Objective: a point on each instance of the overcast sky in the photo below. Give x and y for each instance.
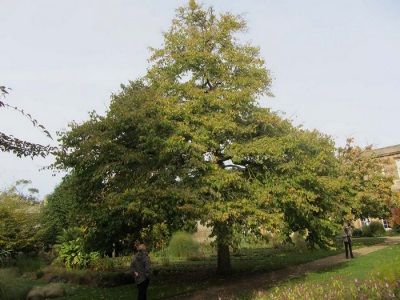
(335, 64)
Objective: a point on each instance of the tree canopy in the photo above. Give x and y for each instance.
(189, 142)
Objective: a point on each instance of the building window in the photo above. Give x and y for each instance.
(386, 224)
(365, 222)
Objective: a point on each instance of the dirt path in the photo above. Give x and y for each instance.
(231, 289)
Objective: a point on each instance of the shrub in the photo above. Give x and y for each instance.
(29, 264)
(5, 257)
(122, 262)
(182, 244)
(102, 264)
(357, 232)
(377, 228)
(395, 229)
(73, 255)
(72, 252)
(366, 231)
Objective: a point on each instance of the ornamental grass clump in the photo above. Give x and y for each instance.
(182, 244)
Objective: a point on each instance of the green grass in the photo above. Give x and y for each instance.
(363, 267)
(13, 287)
(78, 292)
(188, 276)
(372, 276)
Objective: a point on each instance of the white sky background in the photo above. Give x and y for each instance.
(336, 64)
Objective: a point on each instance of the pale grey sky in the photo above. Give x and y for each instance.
(335, 64)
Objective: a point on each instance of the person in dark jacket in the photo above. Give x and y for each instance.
(347, 241)
(141, 267)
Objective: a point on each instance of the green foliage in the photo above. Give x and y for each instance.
(102, 264)
(367, 187)
(5, 256)
(26, 264)
(20, 219)
(357, 232)
(60, 210)
(337, 289)
(388, 270)
(155, 162)
(374, 276)
(73, 255)
(72, 252)
(11, 288)
(366, 231)
(396, 229)
(21, 148)
(182, 244)
(376, 228)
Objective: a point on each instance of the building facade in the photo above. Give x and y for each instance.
(391, 156)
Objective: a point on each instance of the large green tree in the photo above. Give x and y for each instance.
(189, 142)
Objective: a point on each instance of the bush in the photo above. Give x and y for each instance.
(366, 231)
(357, 232)
(377, 228)
(182, 244)
(72, 252)
(122, 262)
(395, 229)
(102, 264)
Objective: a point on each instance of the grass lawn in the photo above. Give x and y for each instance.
(182, 277)
(187, 276)
(372, 276)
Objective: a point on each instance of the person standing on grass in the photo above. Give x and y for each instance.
(141, 267)
(347, 241)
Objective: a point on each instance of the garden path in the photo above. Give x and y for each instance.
(255, 282)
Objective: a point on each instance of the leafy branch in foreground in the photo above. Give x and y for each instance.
(9, 143)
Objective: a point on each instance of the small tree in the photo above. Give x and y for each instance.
(20, 219)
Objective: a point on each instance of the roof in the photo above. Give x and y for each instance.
(387, 151)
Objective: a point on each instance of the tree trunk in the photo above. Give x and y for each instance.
(224, 260)
(224, 236)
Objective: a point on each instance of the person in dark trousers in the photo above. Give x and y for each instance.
(347, 241)
(141, 267)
